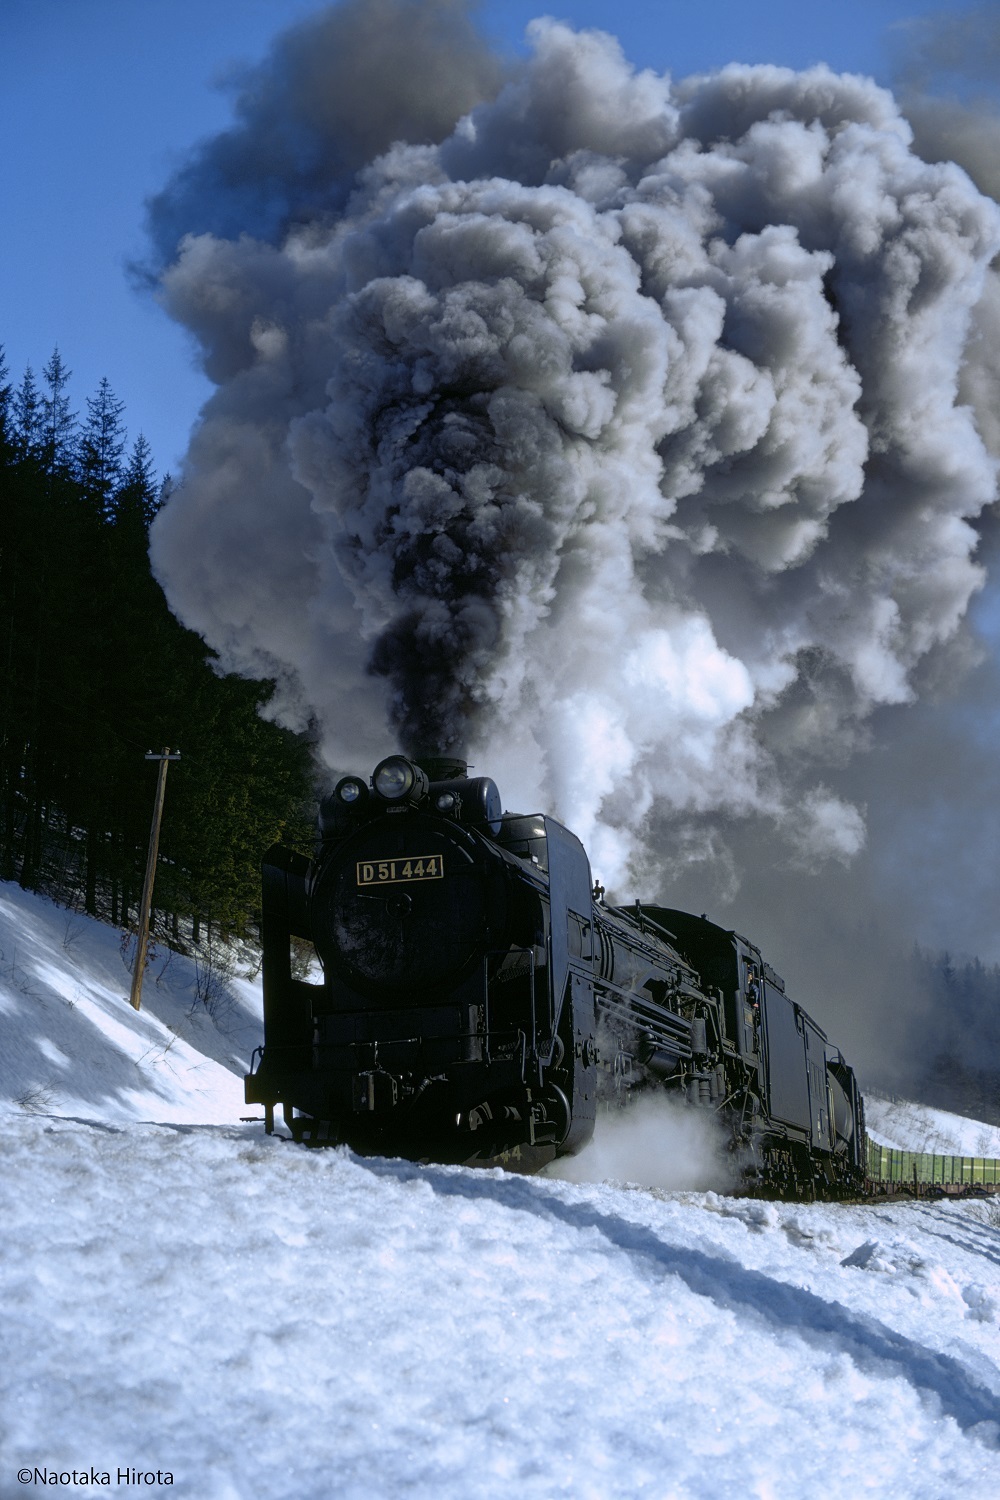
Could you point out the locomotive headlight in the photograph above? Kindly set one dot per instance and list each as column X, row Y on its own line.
column 446, row 802
column 397, row 779
column 350, row 794
column 393, row 778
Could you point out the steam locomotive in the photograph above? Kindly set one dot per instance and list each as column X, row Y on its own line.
column 481, row 1002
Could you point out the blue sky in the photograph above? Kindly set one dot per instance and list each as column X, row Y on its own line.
column 101, row 99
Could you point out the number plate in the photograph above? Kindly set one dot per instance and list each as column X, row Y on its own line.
column 392, row 871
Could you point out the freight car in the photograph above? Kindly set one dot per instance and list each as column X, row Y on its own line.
column 930, row 1174
column 480, row 1000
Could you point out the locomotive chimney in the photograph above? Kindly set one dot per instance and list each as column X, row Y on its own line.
column 442, row 767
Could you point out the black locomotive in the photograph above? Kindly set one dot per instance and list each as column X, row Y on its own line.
column 481, row 1002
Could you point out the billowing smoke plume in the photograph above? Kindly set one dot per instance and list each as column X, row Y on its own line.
column 948, row 76
column 948, row 81
column 629, row 436
column 335, row 92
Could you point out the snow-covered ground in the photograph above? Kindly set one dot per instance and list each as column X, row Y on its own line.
column 914, row 1127
column 257, row 1319
column 73, row 1045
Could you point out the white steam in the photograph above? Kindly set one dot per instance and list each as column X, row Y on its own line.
column 629, row 439
column 656, row 1143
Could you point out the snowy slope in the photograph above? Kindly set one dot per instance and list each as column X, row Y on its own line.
column 915, row 1127
column 72, row 1044
column 260, row 1320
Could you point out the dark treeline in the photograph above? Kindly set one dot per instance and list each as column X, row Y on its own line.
column 96, row 671
column 962, row 1049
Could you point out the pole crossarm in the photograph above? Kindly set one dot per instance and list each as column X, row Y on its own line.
column 164, row 757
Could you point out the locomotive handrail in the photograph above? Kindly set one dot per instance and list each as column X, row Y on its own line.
column 640, row 938
column 487, row 1029
column 628, row 1002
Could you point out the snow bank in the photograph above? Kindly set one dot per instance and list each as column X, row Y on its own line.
column 259, row 1319
column 72, row 1044
column 255, row 1318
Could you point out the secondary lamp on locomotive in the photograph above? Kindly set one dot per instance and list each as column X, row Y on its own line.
column 481, row 1001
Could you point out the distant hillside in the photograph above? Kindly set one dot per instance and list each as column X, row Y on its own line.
column 907, row 1126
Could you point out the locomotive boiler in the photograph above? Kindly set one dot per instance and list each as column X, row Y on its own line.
column 481, row 1002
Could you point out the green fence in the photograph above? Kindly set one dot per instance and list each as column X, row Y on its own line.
column 886, row 1165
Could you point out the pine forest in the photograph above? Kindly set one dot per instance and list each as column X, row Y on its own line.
column 97, row 672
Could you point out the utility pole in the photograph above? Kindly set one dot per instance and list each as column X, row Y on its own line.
column 164, row 758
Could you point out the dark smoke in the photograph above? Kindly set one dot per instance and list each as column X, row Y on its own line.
column 948, row 81
column 632, row 438
column 337, row 90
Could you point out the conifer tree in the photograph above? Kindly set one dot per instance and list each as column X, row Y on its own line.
column 102, row 443
column 138, row 498
column 59, row 422
column 6, row 414
column 26, row 407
